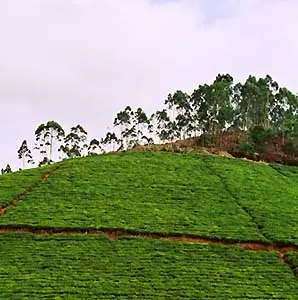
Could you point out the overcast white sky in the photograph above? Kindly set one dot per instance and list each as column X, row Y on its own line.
column 81, row 61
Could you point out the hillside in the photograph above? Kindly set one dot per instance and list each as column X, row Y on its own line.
column 150, row 225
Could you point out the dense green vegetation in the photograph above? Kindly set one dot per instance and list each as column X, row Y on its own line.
column 156, row 192
column 14, row 184
column 268, row 196
column 168, row 193
column 144, row 191
column 292, row 260
column 89, row 267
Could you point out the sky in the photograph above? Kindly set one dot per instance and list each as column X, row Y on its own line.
column 82, row 61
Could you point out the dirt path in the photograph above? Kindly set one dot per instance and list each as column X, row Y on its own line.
column 113, row 234
column 29, row 190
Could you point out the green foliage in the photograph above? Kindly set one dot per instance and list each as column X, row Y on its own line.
column 169, row 193
column 257, row 140
column 7, row 170
column 14, row 184
column 291, row 145
column 75, row 142
column 47, row 135
column 153, row 192
column 292, row 260
column 247, row 147
column 24, row 153
column 259, row 136
column 266, row 194
column 88, row 267
column 95, row 147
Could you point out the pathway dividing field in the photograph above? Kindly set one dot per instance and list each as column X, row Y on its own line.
column 151, row 192
column 93, row 267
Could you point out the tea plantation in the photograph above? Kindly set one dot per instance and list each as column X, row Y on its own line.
column 13, row 184
column 197, row 196
column 88, row 267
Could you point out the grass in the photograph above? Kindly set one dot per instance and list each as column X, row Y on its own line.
column 143, row 191
column 92, row 267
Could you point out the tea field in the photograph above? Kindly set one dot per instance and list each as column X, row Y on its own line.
column 93, row 267
column 267, row 195
column 141, row 191
column 211, row 201
column 13, row 184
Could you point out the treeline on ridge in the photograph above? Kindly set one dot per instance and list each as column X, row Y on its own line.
column 259, row 107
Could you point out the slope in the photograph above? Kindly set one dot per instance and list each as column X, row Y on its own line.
column 152, row 192
column 92, row 267
column 180, row 226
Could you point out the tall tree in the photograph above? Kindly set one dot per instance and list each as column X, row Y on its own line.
column 94, row 147
column 124, row 120
column 111, row 139
column 143, row 125
column 7, row 170
column 199, row 102
column 283, row 111
column 24, row 153
column 212, row 105
column 253, row 99
column 183, row 108
column 162, row 120
column 75, row 142
column 47, row 136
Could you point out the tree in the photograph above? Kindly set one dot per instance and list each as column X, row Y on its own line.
column 184, row 118
column 199, row 102
column 127, row 132
column 111, row 138
column 7, row 170
column 253, row 100
column 24, row 154
column 47, row 135
column 94, row 147
column 212, row 105
column 283, row 111
column 162, row 124
column 142, row 126
column 75, row 142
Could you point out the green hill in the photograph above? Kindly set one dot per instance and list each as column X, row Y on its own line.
column 150, row 225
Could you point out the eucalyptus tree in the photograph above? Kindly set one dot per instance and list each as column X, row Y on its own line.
column 47, row 136
column 253, row 99
column 162, row 120
column 112, row 139
column 143, row 126
column 220, row 104
column 75, row 142
column 183, row 121
column 95, row 147
column 199, row 103
column 24, row 153
column 7, row 170
column 283, row 111
column 124, row 120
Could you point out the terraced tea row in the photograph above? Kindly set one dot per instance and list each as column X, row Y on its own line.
column 92, row 267
column 14, row 184
column 151, row 192
column 167, row 193
column 292, row 261
column 268, row 196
